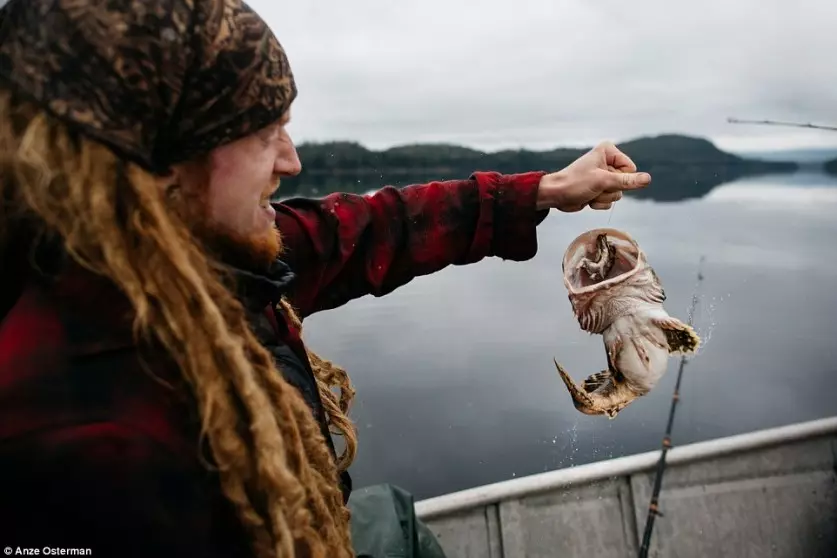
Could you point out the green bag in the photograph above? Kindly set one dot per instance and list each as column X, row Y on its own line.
column 384, row 525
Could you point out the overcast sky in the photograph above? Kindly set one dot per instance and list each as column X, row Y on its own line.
column 543, row 73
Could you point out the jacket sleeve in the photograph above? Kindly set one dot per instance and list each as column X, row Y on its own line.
column 101, row 487
column 346, row 246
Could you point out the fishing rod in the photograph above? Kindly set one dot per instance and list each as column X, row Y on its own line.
column 653, row 507
column 780, row 123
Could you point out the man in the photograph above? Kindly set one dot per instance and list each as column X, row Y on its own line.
column 156, row 398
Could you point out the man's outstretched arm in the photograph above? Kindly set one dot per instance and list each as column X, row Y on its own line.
column 346, row 246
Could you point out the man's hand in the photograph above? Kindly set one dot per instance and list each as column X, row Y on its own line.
column 597, row 179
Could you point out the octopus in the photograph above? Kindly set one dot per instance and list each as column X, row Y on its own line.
column 615, row 293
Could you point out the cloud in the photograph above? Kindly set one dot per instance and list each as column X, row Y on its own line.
column 543, row 72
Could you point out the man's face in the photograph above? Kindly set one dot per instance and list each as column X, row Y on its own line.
column 234, row 189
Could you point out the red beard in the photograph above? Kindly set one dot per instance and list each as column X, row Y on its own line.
column 251, row 253
column 255, row 253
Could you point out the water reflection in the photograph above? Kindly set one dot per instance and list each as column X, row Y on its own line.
column 798, row 189
column 454, row 373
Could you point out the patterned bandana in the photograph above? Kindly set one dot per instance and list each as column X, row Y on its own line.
column 158, row 81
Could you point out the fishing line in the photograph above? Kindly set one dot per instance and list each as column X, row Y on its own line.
column 612, row 205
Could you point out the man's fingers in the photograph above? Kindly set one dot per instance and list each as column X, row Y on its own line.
column 609, row 197
column 600, row 205
column 617, row 159
column 627, row 181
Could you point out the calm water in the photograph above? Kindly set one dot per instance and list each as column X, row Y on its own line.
column 454, row 373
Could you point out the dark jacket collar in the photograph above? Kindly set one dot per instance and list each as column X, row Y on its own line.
column 257, row 290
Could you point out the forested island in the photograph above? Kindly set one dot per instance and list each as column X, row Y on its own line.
column 831, row 167
column 682, row 166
